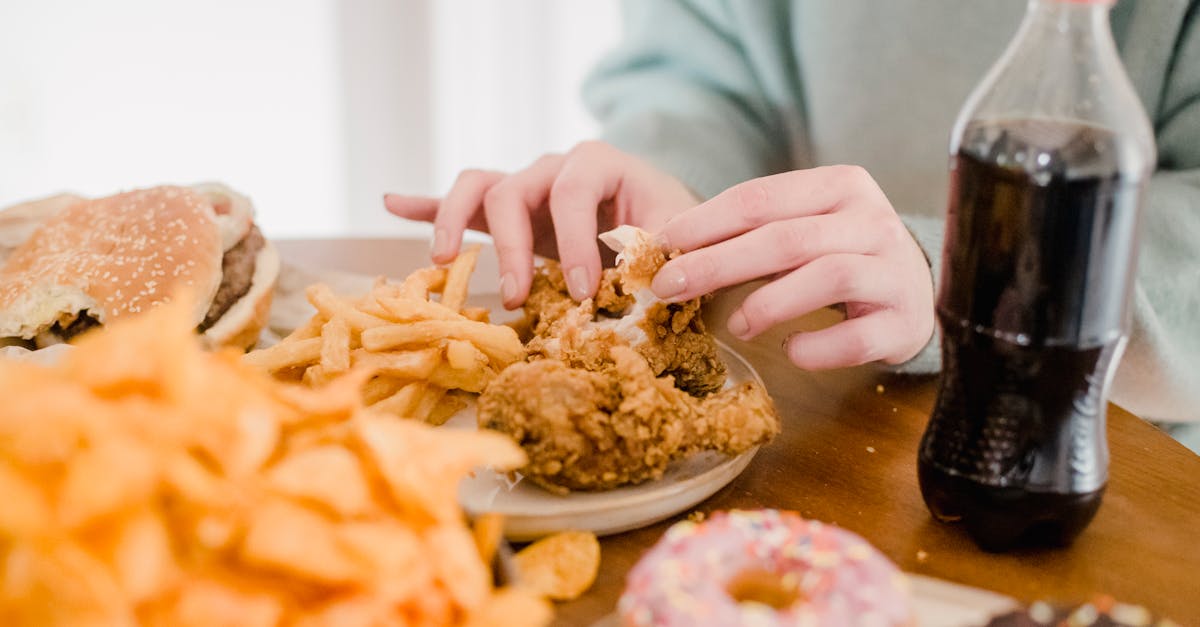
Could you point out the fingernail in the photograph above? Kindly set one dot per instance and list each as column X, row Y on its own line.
column 738, row 325
column 669, row 282
column 577, row 282
column 437, row 248
column 508, row 288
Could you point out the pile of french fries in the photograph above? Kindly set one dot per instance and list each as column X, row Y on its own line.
column 425, row 355
column 147, row 482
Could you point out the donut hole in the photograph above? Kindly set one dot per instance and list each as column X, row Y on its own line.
column 762, row 586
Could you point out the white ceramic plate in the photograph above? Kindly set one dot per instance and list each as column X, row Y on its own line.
column 531, row 512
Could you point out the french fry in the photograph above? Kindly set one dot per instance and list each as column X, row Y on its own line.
column 462, row 355
column 426, row 401
column 499, row 343
column 380, row 388
column 331, row 306
column 478, row 314
column 421, row 282
column 286, row 355
column 399, row 337
column 404, row 309
column 470, row 380
column 414, row 364
column 335, row 346
column 454, row 294
column 309, row 329
column 447, row 406
column 371, row 306
column 404, row 401
column 316, row 376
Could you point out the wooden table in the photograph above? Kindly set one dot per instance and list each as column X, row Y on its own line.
column 847, row 455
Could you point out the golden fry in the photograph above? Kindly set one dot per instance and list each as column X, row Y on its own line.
column 462, row 355
column 380, row 388
column 454, row 295
column 309, row 329
column 406, row 309
column 285, row 355
column 470, row 380
column 499, row 343
column 370, row 305
column 478, row 314
column 426, row 401
column 331, row 306
column 421, row 282
column 450, row 404
column 413, row 364
column 335, row 346
column 404, row 402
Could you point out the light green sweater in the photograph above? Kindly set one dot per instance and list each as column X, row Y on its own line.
column 718, row 92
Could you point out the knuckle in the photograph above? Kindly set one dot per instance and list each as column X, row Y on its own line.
column 566, row 190
column 498, row 194
column 752, row 202
column 850, row 174
column 703, row 269
column 591, row 148
column 792, row 238
column 842, row 279
column 546, row 160
column 471, row 177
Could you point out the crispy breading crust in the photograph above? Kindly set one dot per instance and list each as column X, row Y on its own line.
column 598, row 430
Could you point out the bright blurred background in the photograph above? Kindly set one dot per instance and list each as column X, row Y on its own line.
column 312, row 107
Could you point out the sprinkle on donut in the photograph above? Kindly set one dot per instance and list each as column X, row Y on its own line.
column 764, row 568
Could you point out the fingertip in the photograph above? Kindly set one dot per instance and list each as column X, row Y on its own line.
column 581, row 283
column 669, row 283
column 445, row 245
column 411, row 207
column 514, row 289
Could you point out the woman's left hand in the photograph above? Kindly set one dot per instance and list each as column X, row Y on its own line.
column 823, row 236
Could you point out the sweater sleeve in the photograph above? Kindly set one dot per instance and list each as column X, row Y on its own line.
column 680, row 91
column 1159, row 377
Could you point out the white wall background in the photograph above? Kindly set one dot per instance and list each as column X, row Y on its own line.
column 313, row 107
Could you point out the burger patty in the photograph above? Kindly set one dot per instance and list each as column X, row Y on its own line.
column 237, row 273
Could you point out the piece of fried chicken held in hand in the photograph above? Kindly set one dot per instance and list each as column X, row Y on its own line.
column 621, row 425
column 671, row 336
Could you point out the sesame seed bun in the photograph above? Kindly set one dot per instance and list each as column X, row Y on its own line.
column 112, row 257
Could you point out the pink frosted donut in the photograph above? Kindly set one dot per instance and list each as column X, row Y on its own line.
column 761, row 568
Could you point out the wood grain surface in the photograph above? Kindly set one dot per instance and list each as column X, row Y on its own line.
column 847, row 455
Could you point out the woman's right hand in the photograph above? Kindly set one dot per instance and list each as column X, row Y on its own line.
column 555, row 208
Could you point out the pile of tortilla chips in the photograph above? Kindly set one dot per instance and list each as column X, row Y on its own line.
column 146, row 482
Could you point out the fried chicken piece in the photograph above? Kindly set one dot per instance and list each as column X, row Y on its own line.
column 671, row 336
column 620, row 425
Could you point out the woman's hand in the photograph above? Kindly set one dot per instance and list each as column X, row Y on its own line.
column 555, row 208
column 823, row 236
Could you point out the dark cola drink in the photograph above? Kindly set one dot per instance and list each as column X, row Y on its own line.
column 1049, row 159
column 1038, row 263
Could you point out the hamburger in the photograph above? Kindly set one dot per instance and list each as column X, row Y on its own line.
column 89, row 262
